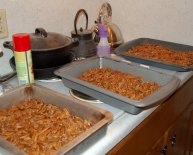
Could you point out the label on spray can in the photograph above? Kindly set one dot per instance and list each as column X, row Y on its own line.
column 24, row 67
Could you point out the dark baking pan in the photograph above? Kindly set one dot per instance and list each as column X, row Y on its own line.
column 121, row 51
column 70, row 76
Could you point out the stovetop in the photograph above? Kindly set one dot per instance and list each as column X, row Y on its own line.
column 57, row 85
column 124, row 122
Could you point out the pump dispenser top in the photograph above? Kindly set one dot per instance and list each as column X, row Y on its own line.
column 102, row 31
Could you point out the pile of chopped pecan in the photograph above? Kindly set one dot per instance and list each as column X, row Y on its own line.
column 163, row 54
column 125, row 84
column 38, row 128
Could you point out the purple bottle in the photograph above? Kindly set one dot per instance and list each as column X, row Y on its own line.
column 103, row 47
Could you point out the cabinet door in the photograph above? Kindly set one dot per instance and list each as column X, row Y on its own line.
column 189, row 146
column 160, row 147
column 179, row 134
column 176, row 140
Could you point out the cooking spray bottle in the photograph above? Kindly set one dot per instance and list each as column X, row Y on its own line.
column 23, row 58
column 103, row 48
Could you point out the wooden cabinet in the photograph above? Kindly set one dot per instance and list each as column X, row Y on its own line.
column 175, row 139
column 167, row 131
column 189, row 146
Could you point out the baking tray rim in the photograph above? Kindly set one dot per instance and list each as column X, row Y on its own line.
column 148, row 60
column 181, row 68
column 137, row 103
column 35, row 85
column 83, row 136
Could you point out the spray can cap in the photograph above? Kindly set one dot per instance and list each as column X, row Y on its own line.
column 102, row 30
column 21, row 42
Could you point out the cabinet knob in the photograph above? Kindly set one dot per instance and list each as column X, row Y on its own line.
column 173, row 140
column 164, row 150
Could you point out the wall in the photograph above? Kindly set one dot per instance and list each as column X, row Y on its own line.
column 162, row 19
column 169, row 20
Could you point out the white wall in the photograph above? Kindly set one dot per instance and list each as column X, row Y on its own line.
column 169, row 20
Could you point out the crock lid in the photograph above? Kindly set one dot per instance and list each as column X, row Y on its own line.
column 44, row 41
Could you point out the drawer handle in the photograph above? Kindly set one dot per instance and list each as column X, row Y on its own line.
column 164, row 150
column 173, row 140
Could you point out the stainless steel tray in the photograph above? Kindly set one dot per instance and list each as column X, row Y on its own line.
column 100, row 118
column 121, row 51
column 71, row 73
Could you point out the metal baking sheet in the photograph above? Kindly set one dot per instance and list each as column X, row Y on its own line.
column 99, row 117
column 70, row 76
column 121, row 51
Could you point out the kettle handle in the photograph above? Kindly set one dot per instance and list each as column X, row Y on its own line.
column 76, row 18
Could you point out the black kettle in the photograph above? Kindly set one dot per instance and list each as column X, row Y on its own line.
column 85, row 47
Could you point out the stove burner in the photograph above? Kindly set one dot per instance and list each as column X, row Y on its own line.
column 83, row 97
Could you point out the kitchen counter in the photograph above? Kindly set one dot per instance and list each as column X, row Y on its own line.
column 122, row 124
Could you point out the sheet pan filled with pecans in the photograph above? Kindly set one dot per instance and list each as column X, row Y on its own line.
column 36, row 125
column 158, row 53
column 126, row 86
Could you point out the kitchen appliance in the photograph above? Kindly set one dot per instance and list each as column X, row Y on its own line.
column 70, row 75
column 4, row 86
column 121, row 51
column 7, row 76
column 85, row 46
column 122, row 121
column 115, row 37
column 41, row 74
column 100, row 118
column 83, row 97
column 50, row 50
